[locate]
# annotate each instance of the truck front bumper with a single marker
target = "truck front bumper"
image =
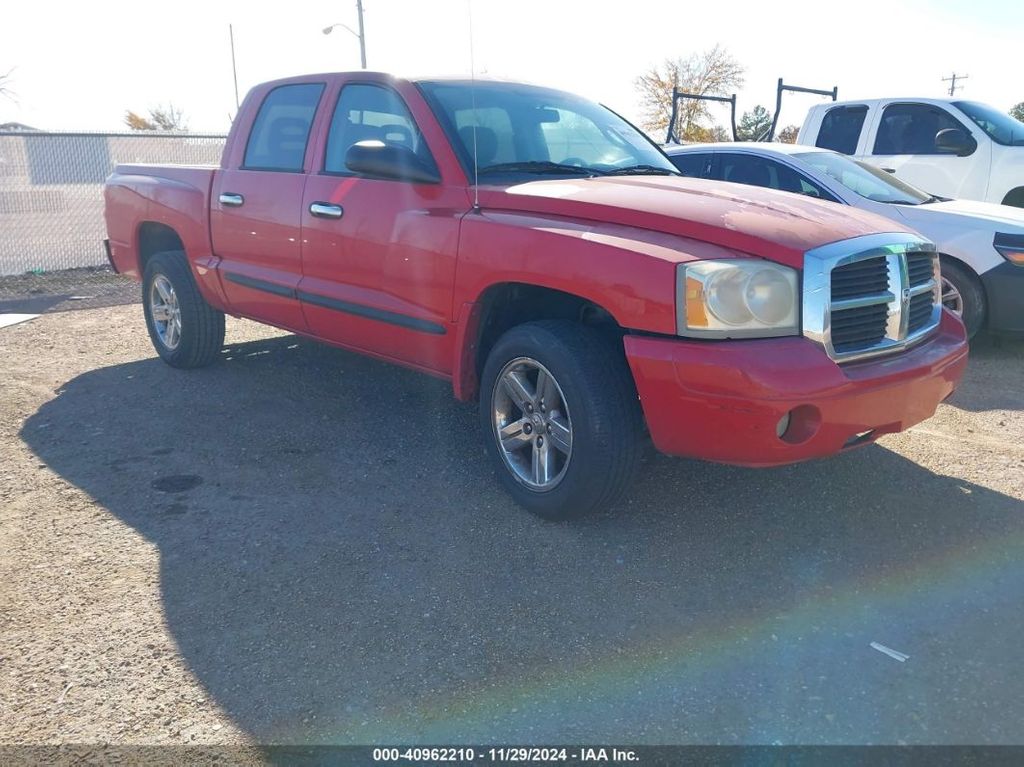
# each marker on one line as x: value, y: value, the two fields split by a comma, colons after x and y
x: 770, y: 402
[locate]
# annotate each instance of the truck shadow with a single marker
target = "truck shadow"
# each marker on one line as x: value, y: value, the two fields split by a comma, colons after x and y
x: 338, y: 564
x: 992, y: 381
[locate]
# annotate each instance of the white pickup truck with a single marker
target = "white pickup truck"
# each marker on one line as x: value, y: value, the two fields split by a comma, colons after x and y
x: 947, y: 147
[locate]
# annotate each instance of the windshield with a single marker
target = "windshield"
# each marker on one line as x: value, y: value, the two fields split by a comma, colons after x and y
x: 866, y: 180
x: 519, y: 130
x: 1000, y: 127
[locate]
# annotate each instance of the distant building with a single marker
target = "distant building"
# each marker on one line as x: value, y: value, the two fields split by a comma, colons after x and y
x: 17, y: 128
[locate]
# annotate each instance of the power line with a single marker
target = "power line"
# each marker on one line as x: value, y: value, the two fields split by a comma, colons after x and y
x: 952, y: 82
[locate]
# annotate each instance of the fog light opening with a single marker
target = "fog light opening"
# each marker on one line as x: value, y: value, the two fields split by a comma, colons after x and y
x: 799, y: 424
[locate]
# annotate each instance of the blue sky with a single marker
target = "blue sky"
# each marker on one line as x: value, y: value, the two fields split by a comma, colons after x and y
x: 80, y: 65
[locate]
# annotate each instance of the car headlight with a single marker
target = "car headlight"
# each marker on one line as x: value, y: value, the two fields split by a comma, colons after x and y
x: 1010, y: 247
x: 736, y: 298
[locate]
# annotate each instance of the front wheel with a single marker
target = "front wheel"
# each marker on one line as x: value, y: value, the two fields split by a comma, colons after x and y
x: 561, y: 418
x: 185, y: 330
x: 963, y: 295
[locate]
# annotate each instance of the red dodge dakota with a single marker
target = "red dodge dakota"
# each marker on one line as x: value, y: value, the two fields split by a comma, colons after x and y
x: 543, y: 255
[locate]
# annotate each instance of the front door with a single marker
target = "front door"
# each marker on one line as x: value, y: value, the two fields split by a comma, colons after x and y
x: 378, y: 255
x: 905, y: 145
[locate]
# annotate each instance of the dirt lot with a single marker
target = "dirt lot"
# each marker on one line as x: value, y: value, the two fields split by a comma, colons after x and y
x: 299, y: 545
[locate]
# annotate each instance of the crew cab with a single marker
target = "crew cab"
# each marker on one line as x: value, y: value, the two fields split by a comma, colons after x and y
x: 545, y: 257
x: 947, y: 147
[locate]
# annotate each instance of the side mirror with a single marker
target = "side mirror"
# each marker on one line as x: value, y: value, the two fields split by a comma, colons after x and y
x: 379, y: 160
x: 955, y: 141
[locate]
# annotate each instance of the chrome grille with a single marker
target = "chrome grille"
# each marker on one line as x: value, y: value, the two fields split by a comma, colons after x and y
x: 871, y: 295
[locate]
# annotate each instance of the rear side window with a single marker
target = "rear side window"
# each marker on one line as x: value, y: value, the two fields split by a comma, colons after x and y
x: 840, y: 129
x: 281, y: 129
x: 693, y: 164
x: 911, y: 129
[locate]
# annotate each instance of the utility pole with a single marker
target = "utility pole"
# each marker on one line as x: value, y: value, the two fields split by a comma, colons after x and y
x: 234, y: 69
x: 361, y: 34
x: 952, y: 82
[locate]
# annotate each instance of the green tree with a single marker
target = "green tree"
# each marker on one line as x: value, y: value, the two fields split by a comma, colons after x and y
x: 754, y: 124
x: 711, y: 73
x: 1017, y: 113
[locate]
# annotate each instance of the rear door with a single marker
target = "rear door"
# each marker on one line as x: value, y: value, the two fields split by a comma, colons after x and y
x: 841, y: 128
x: 379, y: 254
x: 904, y: 143
x: 256, y: 205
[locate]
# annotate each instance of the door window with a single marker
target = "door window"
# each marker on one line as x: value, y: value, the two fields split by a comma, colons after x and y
x: 761, y: 171
x: 840, y: 128
x: 371, y: 112
x: 911, y: 129
x: 281, y: 129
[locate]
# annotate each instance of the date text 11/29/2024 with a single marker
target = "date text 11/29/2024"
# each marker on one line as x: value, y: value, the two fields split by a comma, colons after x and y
x: 520, y: 754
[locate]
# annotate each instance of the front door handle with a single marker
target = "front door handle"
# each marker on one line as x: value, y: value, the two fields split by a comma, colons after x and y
x: 231, y: 199
x: 889, y: 170
x: 326, y: 210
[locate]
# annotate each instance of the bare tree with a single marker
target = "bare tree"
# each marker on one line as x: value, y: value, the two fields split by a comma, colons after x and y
x: 167, y: 117
x: 5, y: 85
x: 788, y: 134
x: 711, y: 73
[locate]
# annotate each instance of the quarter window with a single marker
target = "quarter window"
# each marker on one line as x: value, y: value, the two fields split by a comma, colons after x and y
x: 693, y: 164
x: 281, y: 129
x: 840, y: 128
x: 911, y: 129
x: 367, y: 113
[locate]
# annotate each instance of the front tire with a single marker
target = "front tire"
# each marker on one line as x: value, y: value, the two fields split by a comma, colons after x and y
x: 561, y: 418
x: 963, y: 295
x: 185, y: 330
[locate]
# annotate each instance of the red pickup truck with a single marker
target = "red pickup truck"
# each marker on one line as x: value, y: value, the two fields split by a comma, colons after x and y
x: 544, y: 256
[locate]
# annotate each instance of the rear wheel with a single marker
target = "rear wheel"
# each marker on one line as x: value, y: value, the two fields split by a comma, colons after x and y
x: 963, y: 295
x: 560, y: 417
x: 185, y: 330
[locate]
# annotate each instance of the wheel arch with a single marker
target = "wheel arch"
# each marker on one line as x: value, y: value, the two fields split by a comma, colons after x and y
x: 152, y: 237
x: 503, y: 305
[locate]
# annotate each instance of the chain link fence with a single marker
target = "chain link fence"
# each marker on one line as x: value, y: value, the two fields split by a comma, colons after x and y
x: 51, y: 191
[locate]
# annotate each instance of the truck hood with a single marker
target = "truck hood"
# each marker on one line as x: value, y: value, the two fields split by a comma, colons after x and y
x: 967, y: 214
x: 760, y: 222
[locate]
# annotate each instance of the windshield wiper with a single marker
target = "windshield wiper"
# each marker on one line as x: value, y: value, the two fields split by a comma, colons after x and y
x: 537, y: 166
x: 641, y: 170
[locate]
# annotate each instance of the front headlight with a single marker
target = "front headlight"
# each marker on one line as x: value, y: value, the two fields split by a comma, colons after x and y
x: 736, y: 298
x: 1010, y: 247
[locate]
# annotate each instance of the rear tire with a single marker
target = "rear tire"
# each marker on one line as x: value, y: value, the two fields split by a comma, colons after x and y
x: 586, y: 401
x: 963, y: 294
x: 185, y: 330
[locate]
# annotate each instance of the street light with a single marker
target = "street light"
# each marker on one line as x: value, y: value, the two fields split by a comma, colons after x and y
x: 360, y: 35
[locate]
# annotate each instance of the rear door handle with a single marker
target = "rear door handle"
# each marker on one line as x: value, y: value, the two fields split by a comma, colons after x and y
x: 326, y: 210
x: 231, y: 199
x: 889, y: 170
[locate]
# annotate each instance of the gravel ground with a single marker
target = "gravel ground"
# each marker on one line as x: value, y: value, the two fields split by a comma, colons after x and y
x: 302, y: 545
